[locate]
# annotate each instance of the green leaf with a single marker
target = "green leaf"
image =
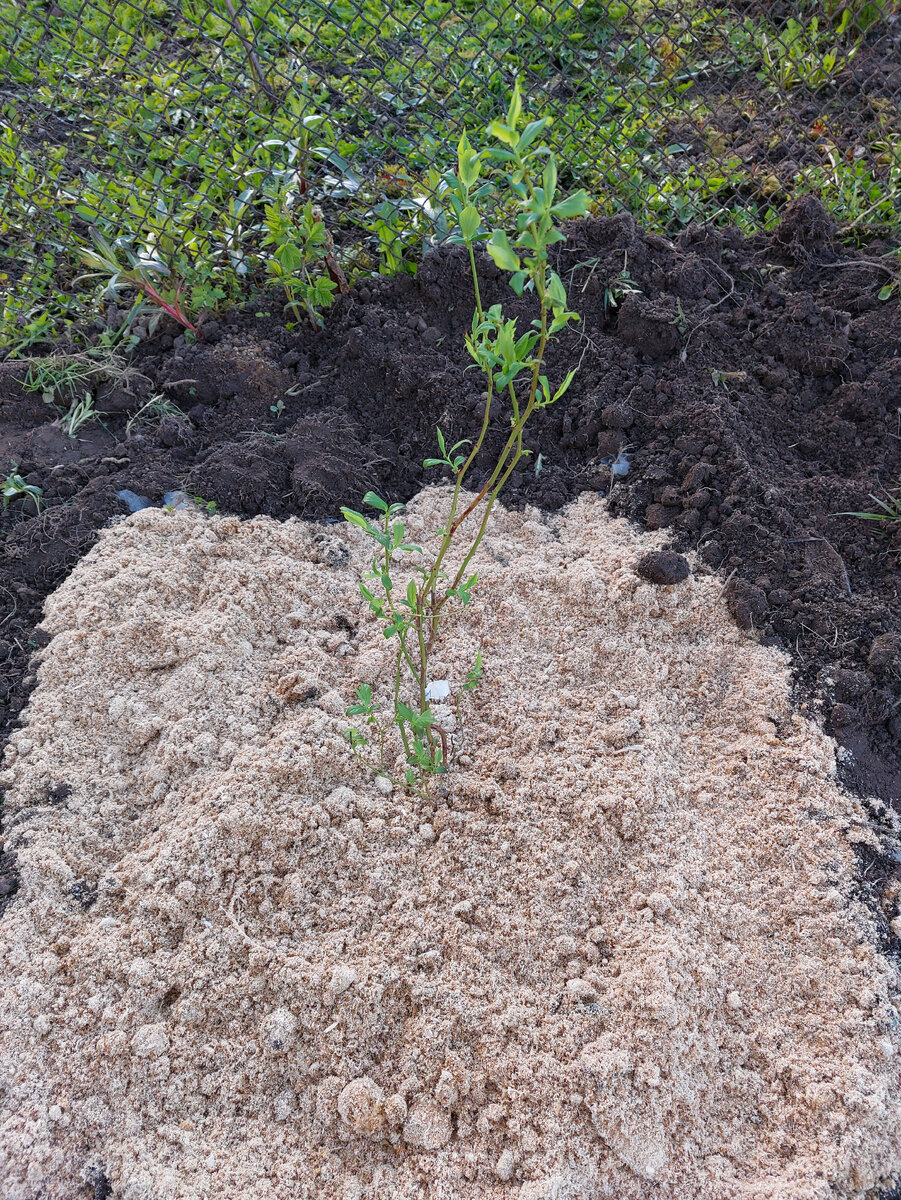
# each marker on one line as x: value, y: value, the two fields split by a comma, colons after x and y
x: 355, y: 518
x: 556, y: 291
x: 575, y: 205
x: 502, y: 252
x: 886, y: 292
x: 469, y: 222
x: 372, y: 500
x: 564, y: 385
x: 514, y: 112
x: 467, y: 162
x: 518, y: 282
x: 549, y: 179
x: 503, y: 133
x: 533, y: 130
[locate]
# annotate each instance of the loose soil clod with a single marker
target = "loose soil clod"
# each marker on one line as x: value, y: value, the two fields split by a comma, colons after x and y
x: 623, y: 954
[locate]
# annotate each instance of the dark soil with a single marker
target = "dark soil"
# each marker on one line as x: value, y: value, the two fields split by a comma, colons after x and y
x: 754, y: 386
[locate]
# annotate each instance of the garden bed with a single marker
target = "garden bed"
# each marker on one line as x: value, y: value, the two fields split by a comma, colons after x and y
x: 755, y: 385
x: 623, y: 952
x: 666, y: 785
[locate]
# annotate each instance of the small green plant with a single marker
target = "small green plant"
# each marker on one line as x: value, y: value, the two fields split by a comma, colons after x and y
x: 395, y: 224
x: 14, y: 487
x: 512, y: 362
x: 301, y: 250
x: 619, y: 287
x: 152, y: 412
x: 145, y: 274
x: 79, y: 413
x: 888, y: 515
x: 60, y: 378
x: 806, y: 54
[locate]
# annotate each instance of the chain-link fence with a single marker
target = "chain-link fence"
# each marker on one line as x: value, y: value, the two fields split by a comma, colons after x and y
x: 175, y: 124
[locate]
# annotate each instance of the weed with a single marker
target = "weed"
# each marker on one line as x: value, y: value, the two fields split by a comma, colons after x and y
x: 302, y: 256
x: 619, y: 287
x: 889, y: 514
x: 80, y: 412
x: 805, y: 54
x: 138, y: 271
x: 525, y: 170
x: 14, y: 487
x: 59, y: 378
x: 152, y: 412
x: 278, y: 408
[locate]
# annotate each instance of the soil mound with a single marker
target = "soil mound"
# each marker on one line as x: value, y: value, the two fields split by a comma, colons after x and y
x: 753, y: 386
x: 622, y: 954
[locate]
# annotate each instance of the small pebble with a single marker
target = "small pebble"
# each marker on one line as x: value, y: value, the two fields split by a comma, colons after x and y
x: 503, y: 1168
x: 581, y: 989
x: 135, y: 503
x: 343, y: 977
x: 177, y: 500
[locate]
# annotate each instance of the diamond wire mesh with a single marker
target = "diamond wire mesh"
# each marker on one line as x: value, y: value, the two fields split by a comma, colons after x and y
x: 172, y: 123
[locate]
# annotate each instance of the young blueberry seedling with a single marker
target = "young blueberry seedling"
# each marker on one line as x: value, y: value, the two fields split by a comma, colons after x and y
x: 524, y: 170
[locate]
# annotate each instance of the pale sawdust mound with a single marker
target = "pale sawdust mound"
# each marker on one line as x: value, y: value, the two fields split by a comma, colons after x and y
x: 622, y: 959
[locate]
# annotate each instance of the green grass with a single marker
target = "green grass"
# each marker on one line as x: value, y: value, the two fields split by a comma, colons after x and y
x: 153, y: 123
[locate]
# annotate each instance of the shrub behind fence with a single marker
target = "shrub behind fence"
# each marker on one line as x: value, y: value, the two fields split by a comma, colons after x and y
x: 173, y: 124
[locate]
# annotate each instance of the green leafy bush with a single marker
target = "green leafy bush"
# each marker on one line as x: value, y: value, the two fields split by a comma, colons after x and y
x: 513, y: 364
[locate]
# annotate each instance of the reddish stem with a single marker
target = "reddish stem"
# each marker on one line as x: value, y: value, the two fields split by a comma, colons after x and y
x: 174, y: 310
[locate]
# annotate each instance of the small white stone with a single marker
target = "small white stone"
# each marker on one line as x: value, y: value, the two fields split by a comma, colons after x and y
x: 150, y: 1041
x: 581, y: 989
x: 54, y: 1113
x: 343, y: 977
x: 427, y: 832
x: 896, y: 927
x: 278, y: 1030
x: 503, y: 1168
x: 733, y: 1000
x: 463, y: 909
x: 384, y: 785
